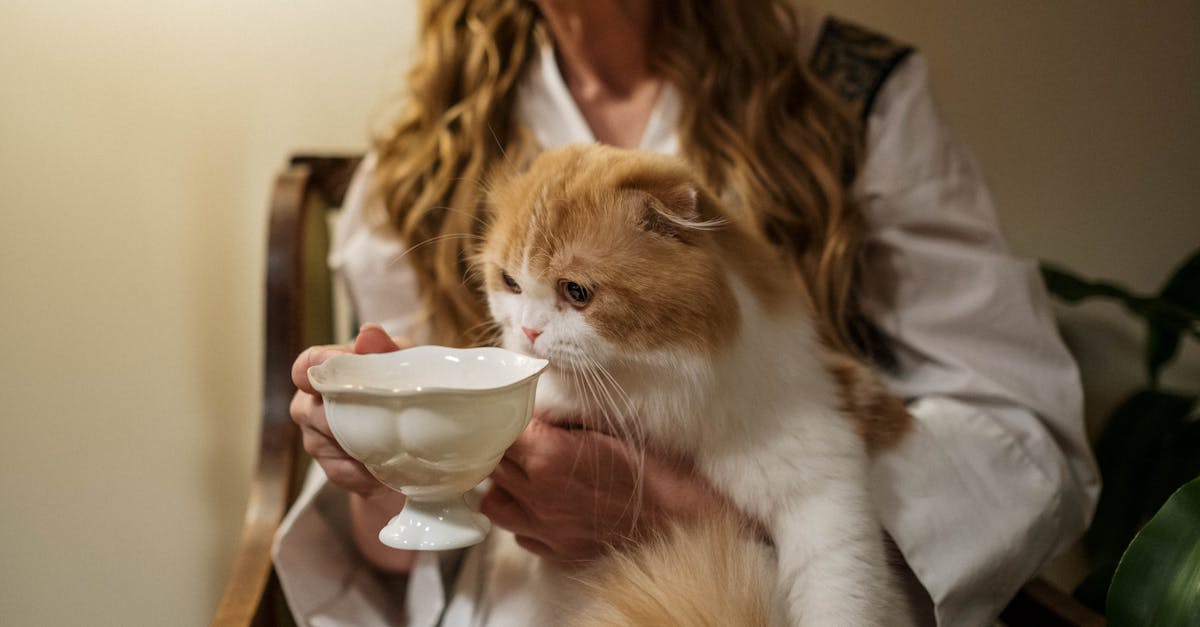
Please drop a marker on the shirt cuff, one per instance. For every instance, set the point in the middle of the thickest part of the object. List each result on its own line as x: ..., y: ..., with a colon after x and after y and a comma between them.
x: 324, y: 579
x: 970, y: 511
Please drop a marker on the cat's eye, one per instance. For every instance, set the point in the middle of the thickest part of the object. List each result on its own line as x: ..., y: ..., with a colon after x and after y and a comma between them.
x: 510, y: 282
x: 575, y: 293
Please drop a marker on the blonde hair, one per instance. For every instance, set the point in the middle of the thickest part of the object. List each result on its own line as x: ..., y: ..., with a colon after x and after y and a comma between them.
x: 754, y: 123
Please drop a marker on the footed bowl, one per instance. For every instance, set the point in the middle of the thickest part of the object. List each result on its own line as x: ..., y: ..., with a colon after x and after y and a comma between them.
x: 430, y: 422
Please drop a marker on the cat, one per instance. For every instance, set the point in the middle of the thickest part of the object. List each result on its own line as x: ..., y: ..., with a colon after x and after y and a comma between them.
x: 698, y: 339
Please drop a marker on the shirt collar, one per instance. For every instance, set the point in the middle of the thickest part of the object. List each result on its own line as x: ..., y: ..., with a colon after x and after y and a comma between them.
x: 545, y: 107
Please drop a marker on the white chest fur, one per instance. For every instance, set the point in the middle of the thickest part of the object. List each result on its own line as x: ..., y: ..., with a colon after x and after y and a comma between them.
x: 762, y: 423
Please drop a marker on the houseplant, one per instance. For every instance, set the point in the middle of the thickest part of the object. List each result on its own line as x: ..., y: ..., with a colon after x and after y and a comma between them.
x: 1148, y: 449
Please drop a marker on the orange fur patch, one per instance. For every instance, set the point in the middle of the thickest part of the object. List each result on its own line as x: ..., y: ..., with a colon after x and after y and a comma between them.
x: 586, y: 214
x: 698, y: 574
x: 879, y: 417
x: 608, y: 219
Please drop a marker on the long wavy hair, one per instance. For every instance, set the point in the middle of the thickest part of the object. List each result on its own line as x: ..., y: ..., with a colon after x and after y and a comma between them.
x: 755, y: 123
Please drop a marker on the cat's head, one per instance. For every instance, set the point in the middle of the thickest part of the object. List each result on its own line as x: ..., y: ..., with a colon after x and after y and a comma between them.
x: 596, y: 254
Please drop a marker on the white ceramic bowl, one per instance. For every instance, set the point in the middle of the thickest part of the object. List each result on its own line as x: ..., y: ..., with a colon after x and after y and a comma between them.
x: 430, y: 422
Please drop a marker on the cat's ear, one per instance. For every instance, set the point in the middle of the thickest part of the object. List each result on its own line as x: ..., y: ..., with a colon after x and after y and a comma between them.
x: 673, y: 210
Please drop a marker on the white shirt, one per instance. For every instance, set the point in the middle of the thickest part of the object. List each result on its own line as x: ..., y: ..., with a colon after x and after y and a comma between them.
x: 995, y: 479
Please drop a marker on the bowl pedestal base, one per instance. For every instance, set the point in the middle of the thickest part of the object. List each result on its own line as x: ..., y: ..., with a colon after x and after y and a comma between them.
x: 435, y: 526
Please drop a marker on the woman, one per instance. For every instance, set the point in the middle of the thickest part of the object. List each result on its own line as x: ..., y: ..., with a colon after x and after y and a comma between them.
x: 884, y: 214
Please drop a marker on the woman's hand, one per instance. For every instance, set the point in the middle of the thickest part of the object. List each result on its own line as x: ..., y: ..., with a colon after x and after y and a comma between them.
x: 372, y: 504
x: 568, y: 494
x: 308, y: 412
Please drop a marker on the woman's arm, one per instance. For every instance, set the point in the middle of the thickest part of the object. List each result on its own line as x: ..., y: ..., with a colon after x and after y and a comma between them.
x: 997, y: 477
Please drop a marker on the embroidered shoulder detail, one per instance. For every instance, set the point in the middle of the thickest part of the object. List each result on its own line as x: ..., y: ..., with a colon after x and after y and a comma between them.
x: 855, y: 62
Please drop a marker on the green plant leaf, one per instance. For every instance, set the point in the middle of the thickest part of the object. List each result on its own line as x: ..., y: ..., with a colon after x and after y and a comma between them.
x: 1158, y: 579
x: 1074, y: 288
x: 1130, y: 453
x: 1162, y: 344
x: 1174, y: 310
x: 1183, y: 288
x: 1176, y: 461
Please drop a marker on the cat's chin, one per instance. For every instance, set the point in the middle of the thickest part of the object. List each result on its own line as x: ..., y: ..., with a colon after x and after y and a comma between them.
x: 558, y: 362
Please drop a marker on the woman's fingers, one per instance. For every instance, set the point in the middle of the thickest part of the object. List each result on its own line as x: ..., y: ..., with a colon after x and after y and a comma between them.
x: 319, y: 445
x: 542, y: 450
x: 505, y: 511
x: 313, y: 356
x: 341, y: 469
x: 553, y: 487
x: 569, y: 494
x: 308, y: 411
x: 508, y: 472
x: 351, y: 475
x: 536, y: 547
x: 373, y: 339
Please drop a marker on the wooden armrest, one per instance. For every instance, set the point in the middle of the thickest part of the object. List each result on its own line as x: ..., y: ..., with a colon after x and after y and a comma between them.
x: 1041, y: 604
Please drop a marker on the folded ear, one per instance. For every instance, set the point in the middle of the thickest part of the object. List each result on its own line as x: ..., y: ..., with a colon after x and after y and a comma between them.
x: 673, y: 210
x: 669, y: 208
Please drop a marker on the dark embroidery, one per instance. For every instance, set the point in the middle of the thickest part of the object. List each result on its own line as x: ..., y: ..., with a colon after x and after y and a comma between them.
x: 855, y: 62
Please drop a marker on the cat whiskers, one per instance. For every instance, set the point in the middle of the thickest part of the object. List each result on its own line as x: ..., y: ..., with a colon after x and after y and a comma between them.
x: 500, y: 146
x: 466, y: 214
x: 598, y: 392
x: 628, y: 424
x: 433, y: 240
x: 486, y: 333
x: 622, y: 424
x: 576, y: 373
x: 474, y: 275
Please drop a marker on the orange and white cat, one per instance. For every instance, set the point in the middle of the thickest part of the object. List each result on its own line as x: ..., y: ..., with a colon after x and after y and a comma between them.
x: 674, y: 322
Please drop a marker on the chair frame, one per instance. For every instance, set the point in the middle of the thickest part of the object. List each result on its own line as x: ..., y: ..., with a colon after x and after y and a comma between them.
x: 298, y: 289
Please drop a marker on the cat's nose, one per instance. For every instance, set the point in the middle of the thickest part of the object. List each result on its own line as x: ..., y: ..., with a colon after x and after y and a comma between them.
x: 531, y: 334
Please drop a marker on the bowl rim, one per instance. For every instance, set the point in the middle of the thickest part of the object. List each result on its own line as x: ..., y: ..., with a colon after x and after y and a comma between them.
x: 324, y: 386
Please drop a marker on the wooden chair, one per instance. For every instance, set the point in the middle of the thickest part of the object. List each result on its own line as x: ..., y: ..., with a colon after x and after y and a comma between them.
x: 299, y: 308
x: 299, y: 313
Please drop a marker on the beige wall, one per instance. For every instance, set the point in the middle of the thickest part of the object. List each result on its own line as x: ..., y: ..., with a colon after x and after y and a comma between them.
x: 137, y: 141
x: 137, y: 144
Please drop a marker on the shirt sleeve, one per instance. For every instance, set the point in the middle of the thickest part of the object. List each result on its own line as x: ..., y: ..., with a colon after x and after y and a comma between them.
x: 324, y: 579
x: 368, y: 256
x: 996, y: 477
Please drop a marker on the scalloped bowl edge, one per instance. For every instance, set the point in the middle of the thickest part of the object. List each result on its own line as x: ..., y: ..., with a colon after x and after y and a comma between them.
x: 423, y: 370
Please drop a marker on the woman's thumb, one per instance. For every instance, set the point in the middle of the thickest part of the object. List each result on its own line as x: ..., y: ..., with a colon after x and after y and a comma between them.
x: 373, y: 339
